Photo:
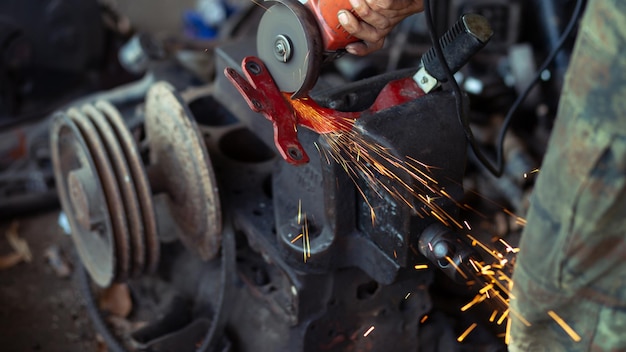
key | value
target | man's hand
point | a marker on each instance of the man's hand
(378, 17)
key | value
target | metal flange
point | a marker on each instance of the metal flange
(181, 168)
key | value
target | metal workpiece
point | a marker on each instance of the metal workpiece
(323, 194)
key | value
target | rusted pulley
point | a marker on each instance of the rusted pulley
(108, 193)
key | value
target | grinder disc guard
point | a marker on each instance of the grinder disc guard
(290, 46)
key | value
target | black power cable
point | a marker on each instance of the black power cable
(498, 168)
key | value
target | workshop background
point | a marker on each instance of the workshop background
(214, 261)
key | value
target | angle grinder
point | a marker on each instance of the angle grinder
(295, 38)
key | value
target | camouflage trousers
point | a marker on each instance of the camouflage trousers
(572, 260)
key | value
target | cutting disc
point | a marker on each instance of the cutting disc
(290, 46)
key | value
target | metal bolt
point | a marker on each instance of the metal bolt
(282, 48)
(424, 80)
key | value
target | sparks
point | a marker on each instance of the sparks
(568, 329)
(502, 317)
(477, 299)
(507, 332)
(466, 332)
(456, 267)
(368, 331)
(368, 161)
(421, 266)
(493, 315)
(295, 239)
(526, 174)
(424, 318)
(258, 4)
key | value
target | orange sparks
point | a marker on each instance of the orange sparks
(520, 317)
(518, 219)
(421, 266)
(364, 159)
(424, 318)
(502, 317)
(466, 332)
(477, 299)
(509, 248)
(507, 332)
(493, 316)
(307, 252)
(296, 238)
(486, 288)
(368, 331)
(407, 295)
(456, 267)
(490, 251)
(568, 329)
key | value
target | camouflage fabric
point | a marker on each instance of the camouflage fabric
(572, 258)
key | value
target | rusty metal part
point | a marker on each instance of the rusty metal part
(126, 185)
(140, 179)
(113, 198)
(183, 169)
(83, 200)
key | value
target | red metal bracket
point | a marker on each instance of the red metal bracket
(263, 96)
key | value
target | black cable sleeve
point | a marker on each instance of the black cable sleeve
(498, 168)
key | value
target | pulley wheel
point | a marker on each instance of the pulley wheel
(138, 176)
(181, 167)
(83, 200)
(113, 198)
(126, 185)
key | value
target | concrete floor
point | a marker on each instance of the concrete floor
(39, 310)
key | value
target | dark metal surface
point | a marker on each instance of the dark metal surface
(183, 169)
(295, 70)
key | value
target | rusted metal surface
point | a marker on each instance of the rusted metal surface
(113, 198)
(126, 186)
(140, 180)
(184, 170)
(82, 197)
